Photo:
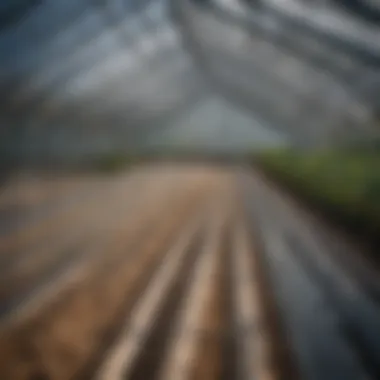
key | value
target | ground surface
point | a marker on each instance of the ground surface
(178, 272)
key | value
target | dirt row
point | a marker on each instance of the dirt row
(172, 289)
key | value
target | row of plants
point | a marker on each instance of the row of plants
(343, 184)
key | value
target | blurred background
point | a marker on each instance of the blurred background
(120, 102)
(86, 78)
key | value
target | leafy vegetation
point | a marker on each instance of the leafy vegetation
(342, 183)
